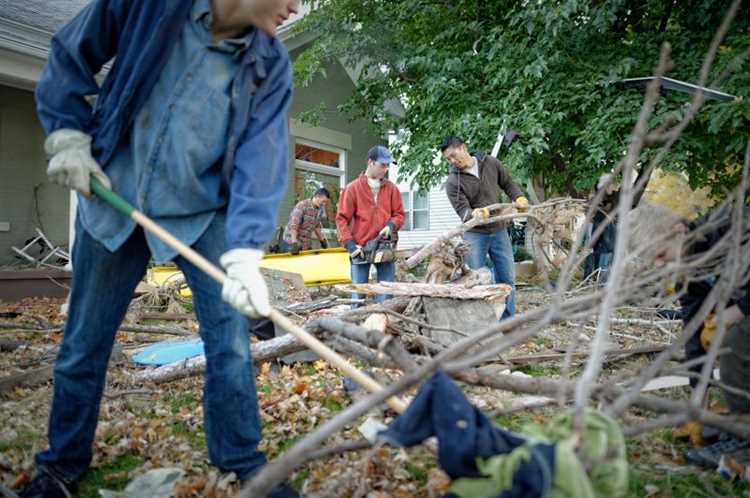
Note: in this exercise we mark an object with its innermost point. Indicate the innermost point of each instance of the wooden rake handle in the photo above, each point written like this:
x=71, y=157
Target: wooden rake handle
x=217, y=274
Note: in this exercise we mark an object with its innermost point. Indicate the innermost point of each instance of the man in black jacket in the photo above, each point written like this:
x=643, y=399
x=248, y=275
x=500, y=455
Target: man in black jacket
x=474, y=182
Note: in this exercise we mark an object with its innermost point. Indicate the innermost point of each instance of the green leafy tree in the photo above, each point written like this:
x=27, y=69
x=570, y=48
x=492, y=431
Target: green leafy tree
x=545, y=68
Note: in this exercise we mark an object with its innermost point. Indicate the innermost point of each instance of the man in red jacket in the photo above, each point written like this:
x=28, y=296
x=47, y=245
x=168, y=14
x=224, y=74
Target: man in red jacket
x=370, y=208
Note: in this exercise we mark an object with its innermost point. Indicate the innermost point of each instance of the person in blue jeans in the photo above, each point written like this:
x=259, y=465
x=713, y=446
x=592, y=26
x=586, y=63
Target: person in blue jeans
x=189, y=126
x=370, y=208
x=385, y=272
x=474, y=182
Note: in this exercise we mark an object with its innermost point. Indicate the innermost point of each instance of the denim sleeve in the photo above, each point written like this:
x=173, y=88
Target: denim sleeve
x=261, y=165
x=77, y=53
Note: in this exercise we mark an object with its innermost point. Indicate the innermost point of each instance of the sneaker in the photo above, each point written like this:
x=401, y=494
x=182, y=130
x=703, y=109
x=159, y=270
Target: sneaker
x=711, y=455
x=45, y=485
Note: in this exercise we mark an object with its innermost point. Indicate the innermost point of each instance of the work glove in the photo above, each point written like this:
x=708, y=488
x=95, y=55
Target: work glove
x=354, y=249
x=481, y=213
x=295, y=248
x=385, y=232
x=693, y=431
x=708, y=332
x=323, y=244
x=71, y=163
x=522, y=204
x=245, y=289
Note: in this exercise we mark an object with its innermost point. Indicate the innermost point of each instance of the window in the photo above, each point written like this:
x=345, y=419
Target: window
x=316, y=166
x=416, y=211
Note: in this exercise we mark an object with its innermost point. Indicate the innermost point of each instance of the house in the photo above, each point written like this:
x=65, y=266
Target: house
x=427, y=214
x=328, y=155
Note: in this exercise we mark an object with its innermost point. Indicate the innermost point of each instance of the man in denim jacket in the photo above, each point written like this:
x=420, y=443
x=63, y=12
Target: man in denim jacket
x=190, y=127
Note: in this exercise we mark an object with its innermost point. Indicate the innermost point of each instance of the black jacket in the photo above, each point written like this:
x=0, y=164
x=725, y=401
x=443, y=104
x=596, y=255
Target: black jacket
x=466, y=192
x=698, y=291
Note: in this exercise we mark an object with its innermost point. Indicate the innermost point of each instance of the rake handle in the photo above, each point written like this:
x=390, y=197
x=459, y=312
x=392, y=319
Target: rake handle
x=218, y=274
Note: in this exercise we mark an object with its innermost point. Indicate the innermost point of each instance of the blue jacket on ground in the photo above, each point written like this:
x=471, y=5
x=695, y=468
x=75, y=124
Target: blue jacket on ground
x=464, y=434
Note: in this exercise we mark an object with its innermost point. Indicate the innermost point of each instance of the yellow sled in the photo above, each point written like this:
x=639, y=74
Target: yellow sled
x=317, y=267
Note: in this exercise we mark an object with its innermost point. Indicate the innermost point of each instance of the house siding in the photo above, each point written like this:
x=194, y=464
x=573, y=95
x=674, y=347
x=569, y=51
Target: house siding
x=24, y=184
x=332, y=89
x=27, y=199
x=442, y=218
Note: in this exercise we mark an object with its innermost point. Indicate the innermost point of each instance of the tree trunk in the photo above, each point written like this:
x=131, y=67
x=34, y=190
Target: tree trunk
x=261, y=351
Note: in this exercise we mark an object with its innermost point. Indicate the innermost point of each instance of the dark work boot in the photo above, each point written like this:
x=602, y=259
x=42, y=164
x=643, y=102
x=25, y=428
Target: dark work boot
x=283, y=490
x=45, y=485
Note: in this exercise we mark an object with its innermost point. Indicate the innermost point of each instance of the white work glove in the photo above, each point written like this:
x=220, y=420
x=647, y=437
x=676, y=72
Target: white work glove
x=385, y=232
x=245, y=289
x=71, y=163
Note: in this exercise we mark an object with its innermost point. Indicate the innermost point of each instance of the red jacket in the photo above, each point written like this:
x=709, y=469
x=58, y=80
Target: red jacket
x=359, y=219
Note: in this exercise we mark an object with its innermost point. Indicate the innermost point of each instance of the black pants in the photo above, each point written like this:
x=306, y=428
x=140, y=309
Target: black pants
x=735, y=365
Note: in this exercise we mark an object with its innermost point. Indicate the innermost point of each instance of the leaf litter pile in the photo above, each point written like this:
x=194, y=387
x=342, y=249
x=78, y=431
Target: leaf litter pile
x=143, y=426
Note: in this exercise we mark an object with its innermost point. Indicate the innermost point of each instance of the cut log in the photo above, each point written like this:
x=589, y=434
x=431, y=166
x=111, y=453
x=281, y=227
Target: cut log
x=465, y=317
x=29, y=378
x=156, y=329
x=492, y=293
x=261, y=351
x=376, y=321
x=9, y=345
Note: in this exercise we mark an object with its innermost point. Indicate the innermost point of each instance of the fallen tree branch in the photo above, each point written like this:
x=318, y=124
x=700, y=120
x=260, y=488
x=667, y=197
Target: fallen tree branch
x=260, y=351
x=29, y=378
x=434, y=246
x=495, y=292
x=617, y=352
x=158, y=315
x=9, y=345
x=156, y=329
x=22, y=327
x=369, y=337
x=348, y=446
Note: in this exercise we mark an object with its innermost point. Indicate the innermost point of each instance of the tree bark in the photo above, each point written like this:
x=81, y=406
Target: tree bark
x=29, y=378
x=261, y=351
x=494, y=292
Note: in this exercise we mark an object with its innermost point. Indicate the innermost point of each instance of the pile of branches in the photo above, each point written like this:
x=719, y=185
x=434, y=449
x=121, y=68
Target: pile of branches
x=634, y=280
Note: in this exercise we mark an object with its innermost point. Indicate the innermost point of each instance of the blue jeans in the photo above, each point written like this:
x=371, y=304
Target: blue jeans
x=103, y=285
x=361, y=275
x=497, y=245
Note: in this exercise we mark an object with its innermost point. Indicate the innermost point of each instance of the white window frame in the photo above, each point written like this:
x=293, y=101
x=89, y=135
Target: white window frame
x=319, y=168
x=410, y=213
